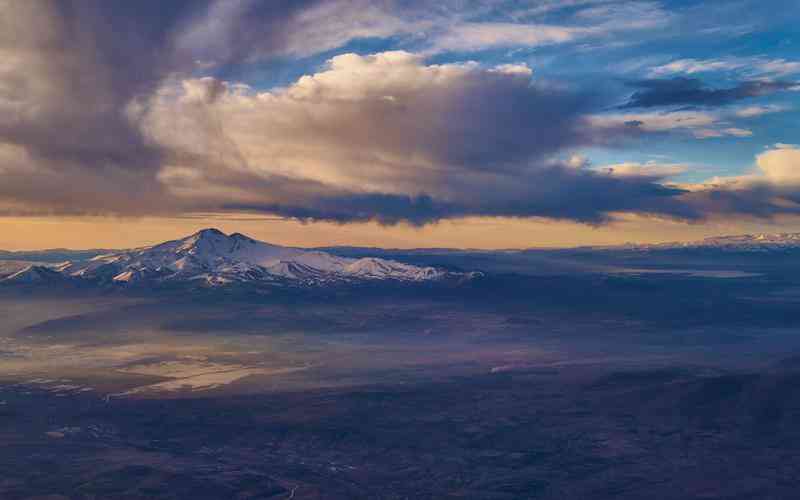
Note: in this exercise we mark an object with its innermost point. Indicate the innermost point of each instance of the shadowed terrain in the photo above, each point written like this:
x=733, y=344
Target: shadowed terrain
x=550, y=375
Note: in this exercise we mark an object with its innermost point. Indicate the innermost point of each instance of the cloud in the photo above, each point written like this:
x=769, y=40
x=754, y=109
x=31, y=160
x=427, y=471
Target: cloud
x=702, y=124
x=73, y=77
x=660, y=121
x=772, y=189
x=481, y=36
x=752, y=67
x=755, y=111
x=692, y=92
x=652, y=171
x=781, y=165
x=699, y=124
x=587, y=19
x=623, y=16
x=102, y=110
x=546, y=7
x=391, y=138
x=235, y=30
x=723, y=132
x=64, y=95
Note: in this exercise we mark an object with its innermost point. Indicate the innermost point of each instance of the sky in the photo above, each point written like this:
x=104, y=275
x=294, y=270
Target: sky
x=397, y=123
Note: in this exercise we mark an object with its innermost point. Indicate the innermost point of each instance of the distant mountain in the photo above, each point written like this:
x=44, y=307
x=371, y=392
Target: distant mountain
x=212, y=258
x=9, y=267
x=54, y=255
x=744, y=242
x=34, y=274
x=790, y=240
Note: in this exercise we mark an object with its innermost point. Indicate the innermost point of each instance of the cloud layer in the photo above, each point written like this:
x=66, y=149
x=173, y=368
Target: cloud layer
x=391, y=138
x=109, y=107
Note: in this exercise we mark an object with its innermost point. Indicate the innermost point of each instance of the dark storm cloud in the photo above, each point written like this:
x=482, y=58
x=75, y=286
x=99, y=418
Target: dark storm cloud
x=559, y=192
x=79, y=65
x=584, y=197
x=693, y=92
x=69, y=84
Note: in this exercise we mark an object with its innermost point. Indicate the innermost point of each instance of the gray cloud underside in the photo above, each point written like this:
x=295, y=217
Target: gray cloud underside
x=559, y=194
x=692, y=92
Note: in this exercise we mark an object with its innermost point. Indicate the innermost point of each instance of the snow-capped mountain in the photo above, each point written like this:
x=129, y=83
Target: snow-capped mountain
x=736, y=243
x=210, y=257
x=787, y=240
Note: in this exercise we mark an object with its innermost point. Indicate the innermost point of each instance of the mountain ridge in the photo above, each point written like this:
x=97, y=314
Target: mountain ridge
x=739, y=242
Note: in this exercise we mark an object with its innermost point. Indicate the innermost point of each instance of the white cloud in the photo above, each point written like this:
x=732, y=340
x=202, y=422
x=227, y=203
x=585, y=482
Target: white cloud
x=700, y=124
x=692, y=66
x=546, y=7
x=649, y=170
x=513, y=69
x=479, y=36
x=245, y=30
x=623, y=16
x=721, y=132
x=781, y=165
x=578, y=161
x=332, y=24
x=657, y=121
x=777, y=168
x=757, y=66
x=593, y=19
x=386, y=123
x=738, y=132
x=226, y=30
x=754, y=111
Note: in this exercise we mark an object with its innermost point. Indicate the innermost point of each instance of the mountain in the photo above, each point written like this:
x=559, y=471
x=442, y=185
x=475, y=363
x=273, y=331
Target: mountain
x=34, y=274
x=755, y=241
x=53, y=255
x=9, y=267
x=213, y=258
x=736, y=243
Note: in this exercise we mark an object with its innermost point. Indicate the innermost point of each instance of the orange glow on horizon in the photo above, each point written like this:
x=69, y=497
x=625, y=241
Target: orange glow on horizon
x=31, y=233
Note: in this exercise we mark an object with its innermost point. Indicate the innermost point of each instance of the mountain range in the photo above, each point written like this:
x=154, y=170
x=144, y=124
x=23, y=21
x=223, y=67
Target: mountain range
x=213, y=258
x=743, y=242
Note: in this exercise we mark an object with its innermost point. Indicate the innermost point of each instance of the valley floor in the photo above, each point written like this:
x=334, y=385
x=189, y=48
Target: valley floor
x=589, y=386
x=578, y=433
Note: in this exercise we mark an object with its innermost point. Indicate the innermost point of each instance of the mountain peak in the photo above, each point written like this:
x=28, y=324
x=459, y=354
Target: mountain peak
x=210, y=231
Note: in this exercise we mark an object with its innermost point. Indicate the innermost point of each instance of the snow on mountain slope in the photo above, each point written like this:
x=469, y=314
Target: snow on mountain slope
x=214, y=258
x=9, y=267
